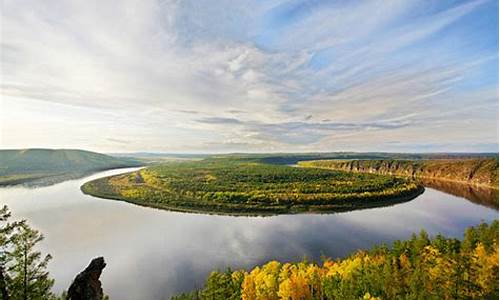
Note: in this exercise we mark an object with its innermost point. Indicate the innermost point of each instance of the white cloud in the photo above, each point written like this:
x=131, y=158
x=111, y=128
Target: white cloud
x=90, y=73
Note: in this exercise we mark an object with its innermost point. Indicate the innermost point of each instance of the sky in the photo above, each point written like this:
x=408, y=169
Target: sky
x=218, y=76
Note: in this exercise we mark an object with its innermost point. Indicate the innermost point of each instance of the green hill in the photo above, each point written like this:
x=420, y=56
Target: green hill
x=48, y=165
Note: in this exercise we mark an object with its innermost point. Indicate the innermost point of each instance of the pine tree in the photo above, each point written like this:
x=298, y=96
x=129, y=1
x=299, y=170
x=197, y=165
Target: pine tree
x=23, y=268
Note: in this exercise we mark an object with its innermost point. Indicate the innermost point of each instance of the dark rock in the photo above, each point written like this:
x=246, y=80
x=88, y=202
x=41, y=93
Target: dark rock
x=86, y=285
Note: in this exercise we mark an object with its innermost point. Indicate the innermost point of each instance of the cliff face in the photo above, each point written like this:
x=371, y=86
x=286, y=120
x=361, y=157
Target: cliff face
x=479, y=172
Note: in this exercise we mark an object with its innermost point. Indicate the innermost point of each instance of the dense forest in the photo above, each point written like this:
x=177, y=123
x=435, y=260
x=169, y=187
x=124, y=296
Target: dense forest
x=293, y=158
x=47, y=166
x=243, y=187
x=479, y=171
x=418, y=268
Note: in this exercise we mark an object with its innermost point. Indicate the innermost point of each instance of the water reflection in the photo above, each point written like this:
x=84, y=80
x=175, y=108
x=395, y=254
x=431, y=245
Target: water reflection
x=153, y=254
x=480, y=195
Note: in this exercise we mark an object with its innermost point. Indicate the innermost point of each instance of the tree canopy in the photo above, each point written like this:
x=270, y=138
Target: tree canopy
x=417, y=268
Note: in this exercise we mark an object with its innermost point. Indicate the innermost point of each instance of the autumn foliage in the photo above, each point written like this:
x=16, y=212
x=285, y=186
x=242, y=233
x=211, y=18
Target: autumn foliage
x=418, y=268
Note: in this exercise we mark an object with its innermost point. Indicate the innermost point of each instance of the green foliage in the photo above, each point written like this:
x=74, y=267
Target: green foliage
x=293, y=158
x=23, y=269
x=418, y=268
x=239, y=186
x=194, y=295
x=223, y=286
x=20, y=166
x=478, y=171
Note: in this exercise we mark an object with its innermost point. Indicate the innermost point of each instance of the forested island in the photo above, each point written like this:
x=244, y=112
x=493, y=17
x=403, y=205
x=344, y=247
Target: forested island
x=418, y=268
x=48, y=166
x=239, y=186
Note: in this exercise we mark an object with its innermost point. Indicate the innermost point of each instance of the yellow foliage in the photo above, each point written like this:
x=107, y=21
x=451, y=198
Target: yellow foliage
x=485, y=266
x=367, y=296
x=404, y=262
x=440, y=269
x=295, y=287
x=345, y=267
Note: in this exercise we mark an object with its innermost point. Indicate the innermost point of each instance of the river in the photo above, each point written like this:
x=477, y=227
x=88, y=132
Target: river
x=152, y=254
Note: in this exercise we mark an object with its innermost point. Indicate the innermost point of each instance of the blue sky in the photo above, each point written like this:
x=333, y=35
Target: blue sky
x=250, y=76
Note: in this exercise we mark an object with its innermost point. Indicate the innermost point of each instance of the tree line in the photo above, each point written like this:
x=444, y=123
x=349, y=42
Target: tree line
x=418, y=268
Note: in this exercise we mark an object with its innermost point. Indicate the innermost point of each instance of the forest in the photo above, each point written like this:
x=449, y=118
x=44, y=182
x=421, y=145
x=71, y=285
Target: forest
x=235, y=186
x=481, y=172
x=418, y=268
x=294, y=158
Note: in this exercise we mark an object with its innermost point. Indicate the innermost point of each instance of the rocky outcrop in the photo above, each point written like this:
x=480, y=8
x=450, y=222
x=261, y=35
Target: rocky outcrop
x=478, y=172
x=87, y=285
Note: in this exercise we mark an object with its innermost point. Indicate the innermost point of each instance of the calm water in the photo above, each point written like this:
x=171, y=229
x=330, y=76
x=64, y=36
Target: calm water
x=152, y=254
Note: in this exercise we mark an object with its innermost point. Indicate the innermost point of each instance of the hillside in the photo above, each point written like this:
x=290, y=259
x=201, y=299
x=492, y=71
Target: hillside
x=479, y=172
x=48, y=165
x=239, y=187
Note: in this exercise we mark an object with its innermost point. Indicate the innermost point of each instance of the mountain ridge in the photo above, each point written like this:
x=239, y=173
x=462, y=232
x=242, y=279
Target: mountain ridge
x=38, y=164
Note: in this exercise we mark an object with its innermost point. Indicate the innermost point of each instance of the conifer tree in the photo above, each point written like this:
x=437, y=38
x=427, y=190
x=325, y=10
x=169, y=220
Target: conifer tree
x=23, y=269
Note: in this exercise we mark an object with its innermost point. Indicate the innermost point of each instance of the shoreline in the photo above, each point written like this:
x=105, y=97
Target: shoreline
x=293, y=209
x=345, y=166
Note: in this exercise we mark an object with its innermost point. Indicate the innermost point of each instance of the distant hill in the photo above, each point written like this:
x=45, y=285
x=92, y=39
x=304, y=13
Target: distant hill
x=49, y=165
x=158, y=157
x=293, y=158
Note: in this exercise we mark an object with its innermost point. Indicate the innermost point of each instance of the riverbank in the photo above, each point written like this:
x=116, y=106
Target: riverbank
x=240, y=188
x=481, y=172
x=39, y=167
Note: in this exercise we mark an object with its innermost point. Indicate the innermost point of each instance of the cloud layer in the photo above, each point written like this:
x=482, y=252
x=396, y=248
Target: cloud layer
x=222, y=76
